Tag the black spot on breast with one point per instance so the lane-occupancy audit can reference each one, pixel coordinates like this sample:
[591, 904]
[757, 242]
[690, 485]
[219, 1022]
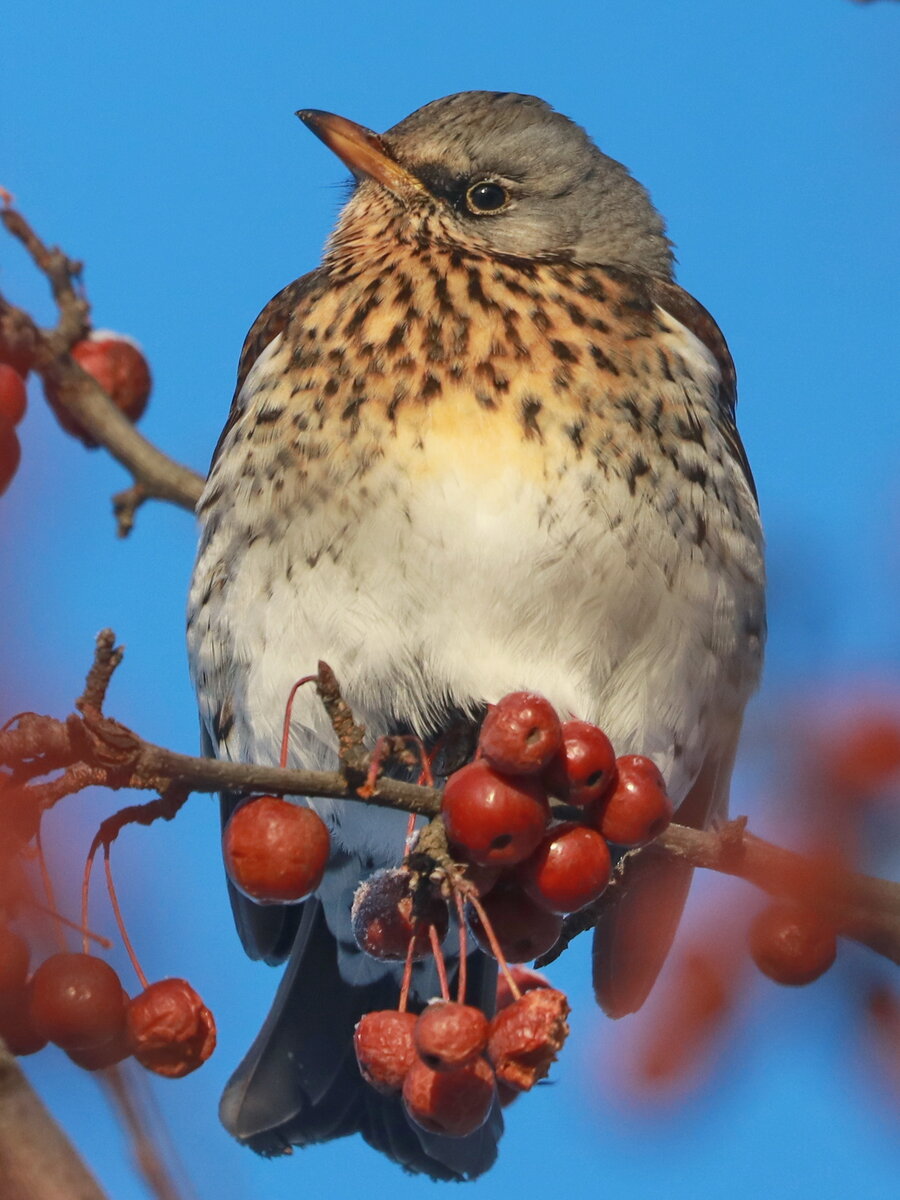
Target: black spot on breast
[431, 386]
[636, 468]
[531, 407]
[602, 360]
[563, 351]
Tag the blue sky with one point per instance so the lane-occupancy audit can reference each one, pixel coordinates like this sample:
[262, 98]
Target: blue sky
[158, 143]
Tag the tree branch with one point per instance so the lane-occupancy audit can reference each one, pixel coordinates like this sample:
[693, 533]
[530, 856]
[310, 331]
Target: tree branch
[156, 476]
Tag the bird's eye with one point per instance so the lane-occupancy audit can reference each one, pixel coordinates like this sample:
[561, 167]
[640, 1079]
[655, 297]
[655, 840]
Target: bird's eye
[486, 197]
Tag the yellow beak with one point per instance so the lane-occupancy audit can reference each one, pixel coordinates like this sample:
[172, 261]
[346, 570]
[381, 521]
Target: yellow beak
[362, 151]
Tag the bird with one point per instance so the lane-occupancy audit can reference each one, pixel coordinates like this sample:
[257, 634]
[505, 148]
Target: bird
[488, 445]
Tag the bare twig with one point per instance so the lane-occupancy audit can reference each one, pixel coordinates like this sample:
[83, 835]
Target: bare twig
[155, 474]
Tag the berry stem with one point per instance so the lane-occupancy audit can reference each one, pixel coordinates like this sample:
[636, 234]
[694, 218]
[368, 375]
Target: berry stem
[407, 975]
[439, 962]
[461, 980]
[288, 709]
[47, 884]
[114, 901]
[83, 930]
[495, 946]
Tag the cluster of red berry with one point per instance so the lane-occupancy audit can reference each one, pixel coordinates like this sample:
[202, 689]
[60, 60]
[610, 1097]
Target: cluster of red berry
[115, 361]
[77, 1001]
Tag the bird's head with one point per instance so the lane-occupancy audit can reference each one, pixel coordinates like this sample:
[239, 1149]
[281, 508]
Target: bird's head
[500, 173]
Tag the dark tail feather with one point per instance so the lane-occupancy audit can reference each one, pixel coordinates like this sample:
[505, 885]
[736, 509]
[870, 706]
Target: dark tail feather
[635, 930]
[299, 1083]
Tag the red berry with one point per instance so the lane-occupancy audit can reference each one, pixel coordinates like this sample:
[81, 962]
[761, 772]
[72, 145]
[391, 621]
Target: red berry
[448, 1036]
[524, 928]
[13, 396]
[526, 1037]
[119, 366]
[106, 1054]
[275, 852]
[76, 1000]
[170, 1029]
[585, 767]
[570, 868]
[384, 1048]
[14, 959]
[496, 821]
[520, 734]
[482, 878]
[526, 981]
[15, 355]
[792, 945]
[452, 1103]
[10, 453]
[16, 1026]
[638, 808]
[387, 910]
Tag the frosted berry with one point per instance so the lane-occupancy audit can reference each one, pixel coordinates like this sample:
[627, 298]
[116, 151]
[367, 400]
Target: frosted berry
[13, 396]
[584, 770]
[570, 868]
[526, 1037]
[452, 1103]
[520, 734]
[384, 1047]
[524, 928]
[793, 946]
[76, 1000]
[388, 909]
[638, 808]
[494, 820]
[119, 366]
[275, 852]
[448, 1036]
[170, 1030]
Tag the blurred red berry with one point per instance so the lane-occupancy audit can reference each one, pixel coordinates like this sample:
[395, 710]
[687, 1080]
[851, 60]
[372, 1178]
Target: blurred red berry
[13, 396]
[14, 959]
[585, 767]
[448, 1036]
[119, 366]
[10, 453]
[570, 868]
[275, 851]
[527, 1035]
[452, 1103]
[170, 1030]
[638, 808]
[526, 981]
[106, 1054]
[387, 910]
[77, 1000]
[524, 928]
[16, 1026]
[520, 734]
[15, 356]
[384, 1047]
[793, 946]
[494, 820]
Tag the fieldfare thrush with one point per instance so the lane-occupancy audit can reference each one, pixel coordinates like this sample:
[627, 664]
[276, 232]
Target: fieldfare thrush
[488, 445]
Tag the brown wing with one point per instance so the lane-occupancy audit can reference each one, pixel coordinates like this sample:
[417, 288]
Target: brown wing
[691, 313]
[273, 319]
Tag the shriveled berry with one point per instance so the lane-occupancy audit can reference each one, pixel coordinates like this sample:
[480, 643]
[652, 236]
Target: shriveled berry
[275, 852]
[10, 453]
[14, 959]
[526, 981]
[170, 1029]
[520, 734]
[570, 868]
[526, 1037]
[793, 946]
[387, 910]
[494, 820]
[452, 1103]
[524, 928]
[448, 1036]
[76, 1000]
[119, 366]
[384, 1047]
[638, 808]
[16, 1026]
[584, 770]
[13, 396]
